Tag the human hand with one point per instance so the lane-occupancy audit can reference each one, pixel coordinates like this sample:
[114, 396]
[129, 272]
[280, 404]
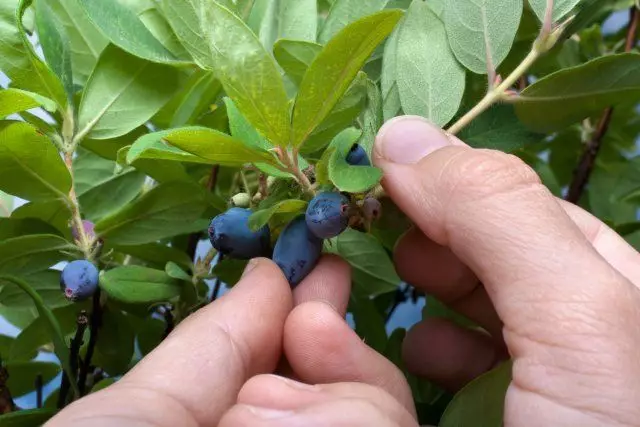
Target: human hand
[213, 369]
[493, 243]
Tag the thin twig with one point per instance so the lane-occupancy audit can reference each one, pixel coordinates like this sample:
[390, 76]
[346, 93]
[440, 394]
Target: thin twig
[39, 386]
[194, 238]
[95, 323]
[583, 171]
[74, 354]
[85, 243]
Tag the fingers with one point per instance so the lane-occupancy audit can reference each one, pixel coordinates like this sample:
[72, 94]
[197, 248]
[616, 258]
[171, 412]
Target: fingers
[447, 354]
[293, 403]
[329, 282]
[321, 348]
[203, 364]
[548, 284]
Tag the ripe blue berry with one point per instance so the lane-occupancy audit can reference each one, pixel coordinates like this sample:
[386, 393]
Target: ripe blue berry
[328, 214]
[297, 251]
[79, 280]
[230, 234]
[357, 156]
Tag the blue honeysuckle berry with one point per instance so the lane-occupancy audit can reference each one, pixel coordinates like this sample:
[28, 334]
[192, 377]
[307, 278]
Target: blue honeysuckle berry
[328, 214]
[230, 234]
[79, 280]
[357, 156]
[297, 251]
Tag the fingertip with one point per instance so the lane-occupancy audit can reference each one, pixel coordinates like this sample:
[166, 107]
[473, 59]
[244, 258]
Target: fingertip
[329, 282]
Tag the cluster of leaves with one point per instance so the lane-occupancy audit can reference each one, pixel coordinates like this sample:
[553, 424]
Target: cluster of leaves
[152, 114]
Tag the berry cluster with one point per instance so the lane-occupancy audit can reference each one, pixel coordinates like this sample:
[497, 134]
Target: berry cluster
[299, 245]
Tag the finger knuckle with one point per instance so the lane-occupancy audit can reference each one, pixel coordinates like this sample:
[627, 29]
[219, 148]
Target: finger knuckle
[481, 173]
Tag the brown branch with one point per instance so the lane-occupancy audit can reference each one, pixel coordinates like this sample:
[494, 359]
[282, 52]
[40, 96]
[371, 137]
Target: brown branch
[194, 238]
[94, 326]
[74, 354]
[583, 171]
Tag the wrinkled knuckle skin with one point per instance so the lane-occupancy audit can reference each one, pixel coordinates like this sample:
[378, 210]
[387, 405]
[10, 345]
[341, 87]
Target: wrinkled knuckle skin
[480, 173]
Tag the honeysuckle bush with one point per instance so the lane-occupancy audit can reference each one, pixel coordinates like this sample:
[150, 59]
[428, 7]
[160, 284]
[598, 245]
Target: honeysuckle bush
[150, 117]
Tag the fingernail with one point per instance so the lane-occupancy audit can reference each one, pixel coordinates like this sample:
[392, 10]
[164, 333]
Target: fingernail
[408, 139]
[250, 266]
[267, 413]
[295, 384]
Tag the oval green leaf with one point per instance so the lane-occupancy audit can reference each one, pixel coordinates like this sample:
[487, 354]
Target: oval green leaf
[16, 100]
[353, 179]
[30, 166]
[122, 94]
[124, 29]
[152, 146]
[261, 218]
[29, 254]
[298, 19]
[430, 80]
[22, 375]
[560, 8]
[335, 68]
[481, 32]
[219, 40]
[27, 417]
[295, 57]
[344, 12]
[133, 284]
[570, 95]
[481, 402]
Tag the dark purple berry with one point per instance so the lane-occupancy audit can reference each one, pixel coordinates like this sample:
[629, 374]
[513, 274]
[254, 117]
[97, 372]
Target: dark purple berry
[297, 251]
[230, 234]
[79, 280]
[357, 156]
[328, 214]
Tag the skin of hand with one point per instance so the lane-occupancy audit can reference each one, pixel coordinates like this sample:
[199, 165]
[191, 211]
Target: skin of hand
[554, 288]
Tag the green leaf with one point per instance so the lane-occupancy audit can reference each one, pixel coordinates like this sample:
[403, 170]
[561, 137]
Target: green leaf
[217, 147]
[193, 99]
[46, 283]
[133, 284]
[154, 147]
[5, 346]
[30, 166]
[16, 100]
[18, 59]
[335, 67]
[430, 80]
[55, 45]
[481, 402]
[295, 57]
[86, 41]
[103, 383]
[122, 94]
[370, 325]
[53, 328]
[27, 417]
[499, 129]
[481, 33]
[114, 349]
[175, 271]
[157, 254]
[353, 179]
[218, 40]
[298, 19]
[261, 218]
[572, 94]
[167, 210]
[229, 271]
[372, 117]
[343, 115]
[153, 17]
[388, 79]
[124, 29]
[22, 375]
[157, 169]
[560, 8]
[55, 213]
[344, 12]
[373, 271]
[33, 253]
[100, 190]
[150, 334]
